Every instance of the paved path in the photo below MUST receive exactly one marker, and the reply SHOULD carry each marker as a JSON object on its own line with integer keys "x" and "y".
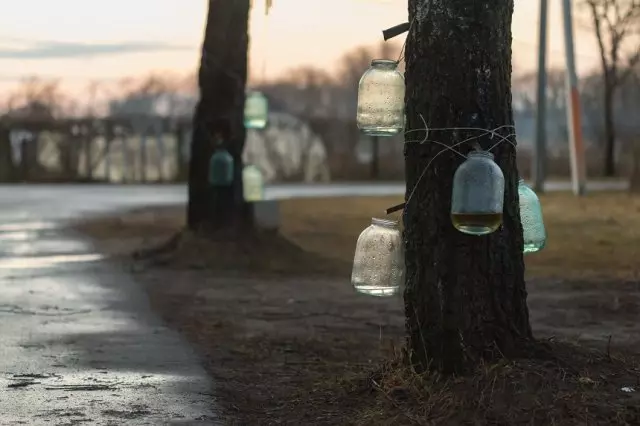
{"x": 78, "y": 341}
{"x": 86, "y": 199}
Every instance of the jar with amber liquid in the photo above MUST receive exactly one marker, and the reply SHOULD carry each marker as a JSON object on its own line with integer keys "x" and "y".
{"x": 478, "y": 195}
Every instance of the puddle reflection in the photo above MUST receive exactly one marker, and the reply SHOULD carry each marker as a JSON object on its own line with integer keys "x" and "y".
{"x": 16, "y": 236}
{"x": 34, "y": 262}
{"x": 49, "y": 247}
{"x": 26, "y": 226}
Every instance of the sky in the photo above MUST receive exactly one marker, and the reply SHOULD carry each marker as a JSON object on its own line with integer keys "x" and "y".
{"x": 79, "y": 41}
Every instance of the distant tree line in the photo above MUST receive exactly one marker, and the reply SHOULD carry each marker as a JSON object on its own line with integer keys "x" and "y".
{"x": 326, "y": 99}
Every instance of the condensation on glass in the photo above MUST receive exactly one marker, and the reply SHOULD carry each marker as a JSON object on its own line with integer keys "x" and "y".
{"x": 381, "y": 99}
{"x": 221, "y": 168}
{"x": 252, "y": 183}
{"x": 256, "y": 110}
{"x": 378, "y": 264}
{"x": 478, "y": 195}
{"x": 533, "y": 230}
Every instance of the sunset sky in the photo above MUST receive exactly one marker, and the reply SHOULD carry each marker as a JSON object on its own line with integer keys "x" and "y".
{"x": 83, "y": 40}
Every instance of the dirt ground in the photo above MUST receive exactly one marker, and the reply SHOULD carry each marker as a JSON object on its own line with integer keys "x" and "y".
{"x": 288, "y": 341}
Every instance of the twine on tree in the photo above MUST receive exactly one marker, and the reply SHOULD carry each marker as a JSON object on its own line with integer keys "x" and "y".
{"x": 472, "y": 140}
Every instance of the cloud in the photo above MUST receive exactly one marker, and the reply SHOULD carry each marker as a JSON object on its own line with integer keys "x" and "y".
{"x": 70, "y": 50}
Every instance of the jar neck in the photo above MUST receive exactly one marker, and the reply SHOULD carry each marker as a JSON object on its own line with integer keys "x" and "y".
{"x": 385, "y": 223}
{"x": 480, "y": 154}
{"x": 521, "y": 181}
{"x": 386, "y": 64}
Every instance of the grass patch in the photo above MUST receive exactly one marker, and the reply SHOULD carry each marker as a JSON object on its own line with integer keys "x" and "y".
{"x": 593, "y": 236}
{"x": 578, "y": 386}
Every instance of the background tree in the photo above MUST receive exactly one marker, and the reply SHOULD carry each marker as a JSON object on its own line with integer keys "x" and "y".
{"x": 615, "y": 23}
{"x": 221, "y": 79}
{"x": 7, "y": 166}
{"x": 465, "y": 296}
{"x": 35, "y": 104}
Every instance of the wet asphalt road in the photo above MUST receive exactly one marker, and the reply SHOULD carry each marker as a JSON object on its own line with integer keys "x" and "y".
{"x": 78, "y": 341}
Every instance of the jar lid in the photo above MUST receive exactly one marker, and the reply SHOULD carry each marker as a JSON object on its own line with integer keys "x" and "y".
{"x": 385, "y": 63}
{"x": 384, "y": 222}
{"x": 485, "y": 154}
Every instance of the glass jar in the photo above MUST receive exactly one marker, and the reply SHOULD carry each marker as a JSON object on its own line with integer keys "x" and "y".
{"x": 478, "y": 195}
{"x": 256, "y": 110}
{"x": 533, "y": 231}
{"x": 381, "y": 99}
{"x": 252, "y": 183}
{"x": 378, "y": 264}
{"x": 221, "y": 168}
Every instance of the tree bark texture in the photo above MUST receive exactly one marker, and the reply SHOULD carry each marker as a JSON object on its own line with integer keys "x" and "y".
{"x": 219, "y": 114}
{"x": 465, "y": 296}
{"x": 7, "y": 168}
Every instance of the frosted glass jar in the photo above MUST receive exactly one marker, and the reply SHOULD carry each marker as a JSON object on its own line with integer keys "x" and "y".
{"x": 381, "y": 99}
{"x": 378, "y": 264}
{"x": 256, "y": 110}
{"x": 478, "y": 195}
{"x": 221, "y": 168}
{"x": 533, "y": 230}
{"x": 252, "y": 183}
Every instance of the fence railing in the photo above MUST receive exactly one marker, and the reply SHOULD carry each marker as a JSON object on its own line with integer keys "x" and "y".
{"x": 114, "y": 149}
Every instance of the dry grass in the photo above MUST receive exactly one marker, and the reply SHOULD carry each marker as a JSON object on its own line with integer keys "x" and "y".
{"x": 574, "y": 386}
{"x": 598, "y": 235}
{"x": 594, "y": 236}
{"x": 291, "y": 349}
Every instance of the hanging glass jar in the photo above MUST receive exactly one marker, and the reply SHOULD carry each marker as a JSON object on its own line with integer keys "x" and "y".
{"x": 221, "y": 168}
{"x": 378, "y": 264}
{"x": 533, "y": 231}
{"x": 478, "y": 195}
{"x": 381, "y": 99}
{"x": 256, "y": 110}
{"x": 252, "y": 183}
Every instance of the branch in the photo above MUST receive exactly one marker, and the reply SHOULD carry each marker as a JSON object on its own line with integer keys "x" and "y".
{"x": 597, "y": 24}
{"x": 616, "y": 18}
{"x": 632, "y": 62}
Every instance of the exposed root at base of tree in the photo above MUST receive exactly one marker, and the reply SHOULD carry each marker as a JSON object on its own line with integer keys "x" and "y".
{"x": 599, "y": 389}
{"x": 252, "y": 252}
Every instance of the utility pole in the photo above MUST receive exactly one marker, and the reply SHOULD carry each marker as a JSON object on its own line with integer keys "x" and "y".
{"x": 540, "y": 150}
{"x": 576, "y": 145}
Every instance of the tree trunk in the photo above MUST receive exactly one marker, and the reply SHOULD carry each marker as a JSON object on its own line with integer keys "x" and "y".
{"x": 465, "y": 296}
{"x": 7, "y": 167}
{"x": 609, "y": 132}
{"x": 219, "y": 113}
{"x": 181, "y": 169}
{"x": 88, "y": 153}
{"x": 634, "y": 179}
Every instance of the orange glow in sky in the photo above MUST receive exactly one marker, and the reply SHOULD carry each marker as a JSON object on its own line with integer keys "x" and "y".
{"x": 297, "y": 32}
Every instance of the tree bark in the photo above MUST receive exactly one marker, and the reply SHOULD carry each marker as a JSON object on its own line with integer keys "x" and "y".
{"x": 609, "y": 131}
{"x": 465, "y": 296}
{"x": 181, "y": 169}
{"x": 7, "y": 168}
{"x": 220, "y": 113}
